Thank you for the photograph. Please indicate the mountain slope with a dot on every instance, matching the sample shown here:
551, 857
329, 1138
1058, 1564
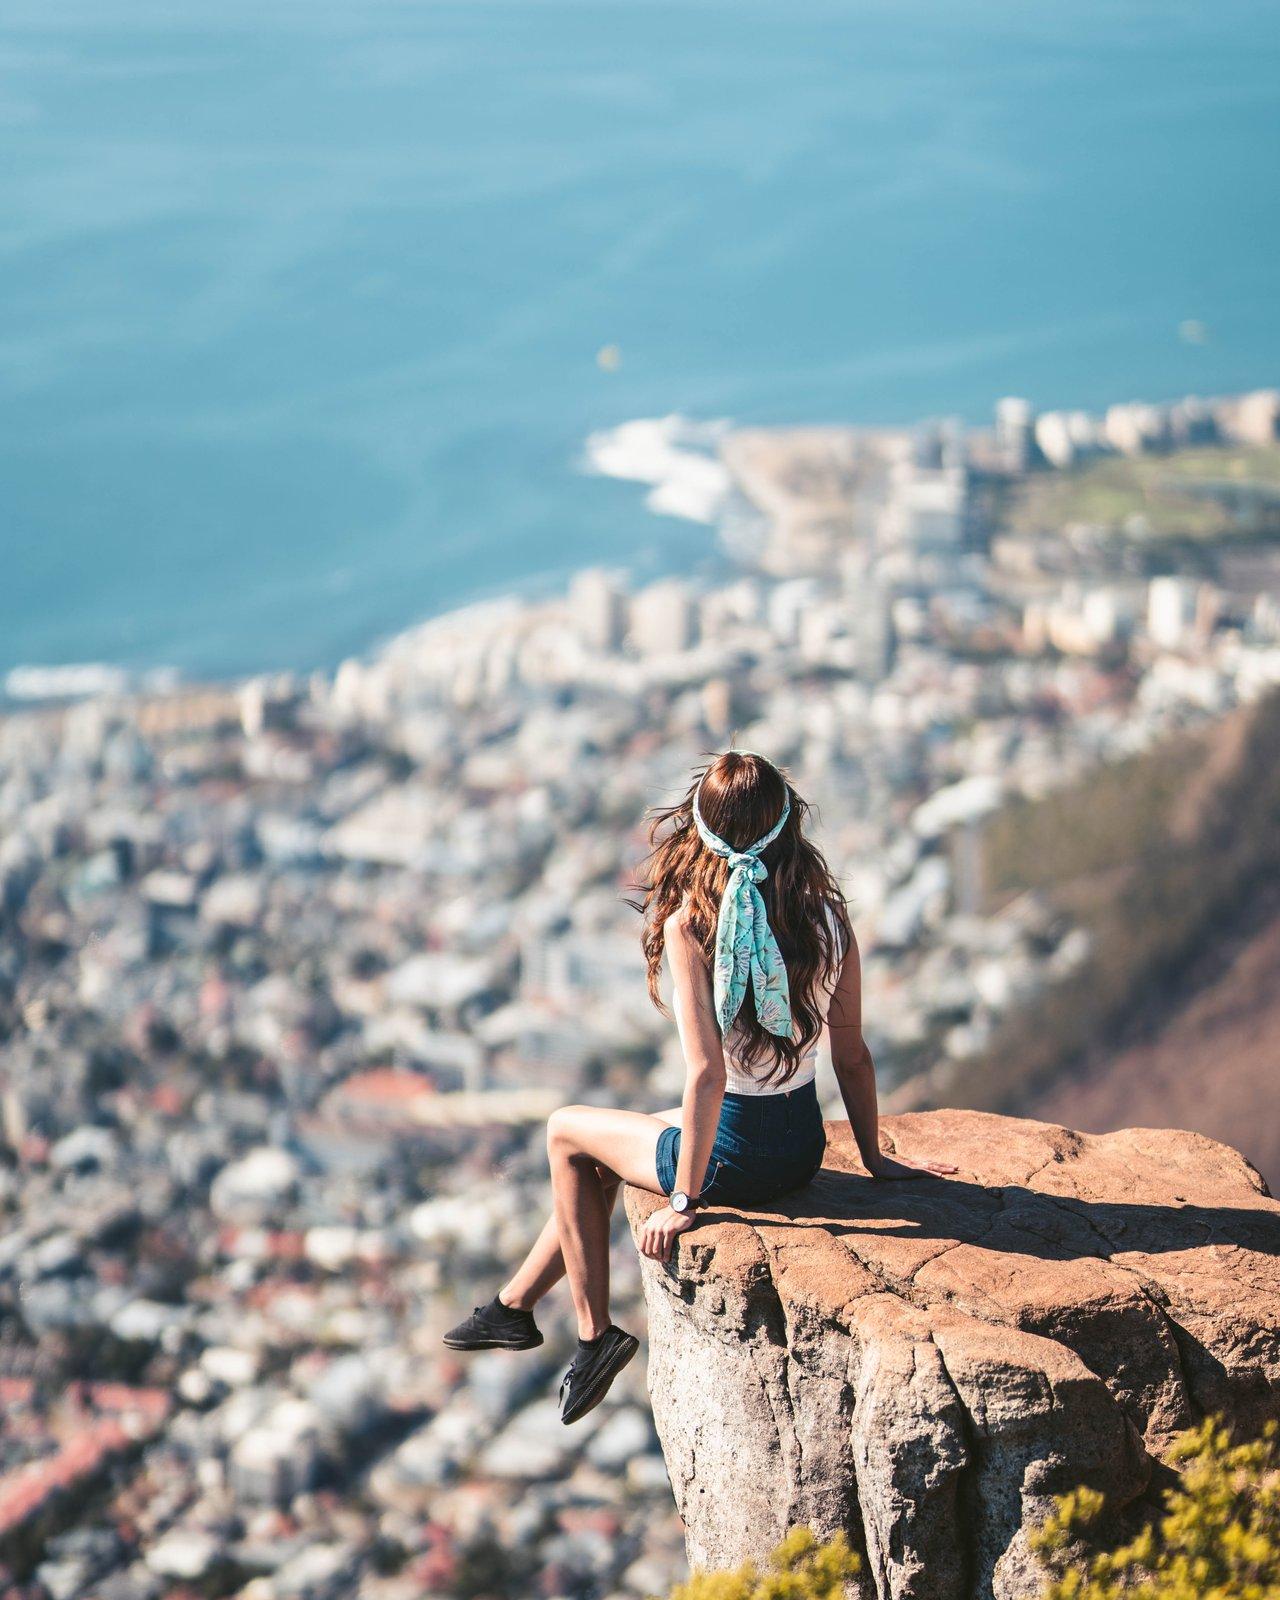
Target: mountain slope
1212, 1064
1171, 860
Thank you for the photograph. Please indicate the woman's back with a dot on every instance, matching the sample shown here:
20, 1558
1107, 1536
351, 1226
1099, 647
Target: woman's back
742, 1076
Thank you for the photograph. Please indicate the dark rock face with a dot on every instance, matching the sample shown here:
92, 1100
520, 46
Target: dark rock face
925, 1365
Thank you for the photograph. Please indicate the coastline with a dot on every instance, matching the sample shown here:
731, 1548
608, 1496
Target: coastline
754, 487
768, 496
671, 458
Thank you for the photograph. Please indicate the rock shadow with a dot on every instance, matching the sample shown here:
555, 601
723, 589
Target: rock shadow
1010, 1217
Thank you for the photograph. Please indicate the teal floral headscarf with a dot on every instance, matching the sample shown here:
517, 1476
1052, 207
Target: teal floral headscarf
745, 943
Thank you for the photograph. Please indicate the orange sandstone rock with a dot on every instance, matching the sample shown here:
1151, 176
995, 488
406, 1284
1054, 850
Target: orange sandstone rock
926, 1364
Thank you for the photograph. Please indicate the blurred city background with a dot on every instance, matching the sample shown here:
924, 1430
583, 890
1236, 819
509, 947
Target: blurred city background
428, 429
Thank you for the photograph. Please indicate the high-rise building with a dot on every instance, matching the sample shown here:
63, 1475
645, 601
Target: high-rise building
597, 607
870, 626
717, 707
787, 605
1109, 614
1133, 429
1015, 433
1065, 437
1171, 611
927, 508
663, 618
1253, 418
1192, 422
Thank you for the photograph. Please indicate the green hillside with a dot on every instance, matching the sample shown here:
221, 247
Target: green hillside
1212, 492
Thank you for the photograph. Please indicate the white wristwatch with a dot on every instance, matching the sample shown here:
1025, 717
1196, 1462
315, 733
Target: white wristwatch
682, 1202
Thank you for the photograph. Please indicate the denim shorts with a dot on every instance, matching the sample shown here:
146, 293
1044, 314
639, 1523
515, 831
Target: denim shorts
766, 1145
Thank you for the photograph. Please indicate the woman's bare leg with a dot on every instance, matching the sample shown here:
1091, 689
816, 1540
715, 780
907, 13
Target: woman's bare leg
583, 1144
544, 1265
582, 1223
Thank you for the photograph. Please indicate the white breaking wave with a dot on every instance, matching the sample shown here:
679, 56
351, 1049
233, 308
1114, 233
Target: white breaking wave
676, 457
76, 681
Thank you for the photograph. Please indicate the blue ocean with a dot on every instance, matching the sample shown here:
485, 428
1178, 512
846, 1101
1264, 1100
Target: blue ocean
302, 300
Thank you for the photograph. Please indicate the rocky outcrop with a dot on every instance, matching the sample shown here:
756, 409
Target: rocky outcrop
925, 1365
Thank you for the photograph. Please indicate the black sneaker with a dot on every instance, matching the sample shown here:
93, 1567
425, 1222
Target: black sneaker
594, 1368
495, 1327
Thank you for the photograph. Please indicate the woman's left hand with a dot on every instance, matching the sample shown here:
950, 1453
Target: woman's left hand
890, 1167
661, 1231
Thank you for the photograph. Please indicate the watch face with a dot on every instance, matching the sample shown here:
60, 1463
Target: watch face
679, 1201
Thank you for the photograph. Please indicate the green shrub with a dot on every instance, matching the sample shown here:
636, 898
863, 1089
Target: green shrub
799, 1569
1218, 1537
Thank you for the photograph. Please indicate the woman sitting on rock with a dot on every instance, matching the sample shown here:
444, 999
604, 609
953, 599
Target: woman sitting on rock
762, 957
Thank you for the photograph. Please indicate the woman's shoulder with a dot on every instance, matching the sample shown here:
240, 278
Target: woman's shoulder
835, 914
678, 928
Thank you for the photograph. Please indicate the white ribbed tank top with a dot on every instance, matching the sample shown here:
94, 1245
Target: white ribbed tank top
741, 1079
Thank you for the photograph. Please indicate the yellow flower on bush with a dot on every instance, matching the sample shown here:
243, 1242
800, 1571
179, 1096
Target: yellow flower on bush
799, 1569
1218, 1537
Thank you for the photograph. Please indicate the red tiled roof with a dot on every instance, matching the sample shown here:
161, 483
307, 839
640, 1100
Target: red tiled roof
168, 1099
153, 1404
26, 1490
23, 1493
385, 1086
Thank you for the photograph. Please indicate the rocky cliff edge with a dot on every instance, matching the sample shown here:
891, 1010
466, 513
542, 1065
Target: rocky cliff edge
926, 1364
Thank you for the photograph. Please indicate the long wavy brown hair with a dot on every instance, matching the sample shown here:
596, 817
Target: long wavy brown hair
741, 796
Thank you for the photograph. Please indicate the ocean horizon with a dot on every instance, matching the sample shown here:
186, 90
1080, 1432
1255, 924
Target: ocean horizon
303, 304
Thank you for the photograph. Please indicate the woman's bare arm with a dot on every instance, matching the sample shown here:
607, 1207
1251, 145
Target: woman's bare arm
856, 1074
703, 1055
